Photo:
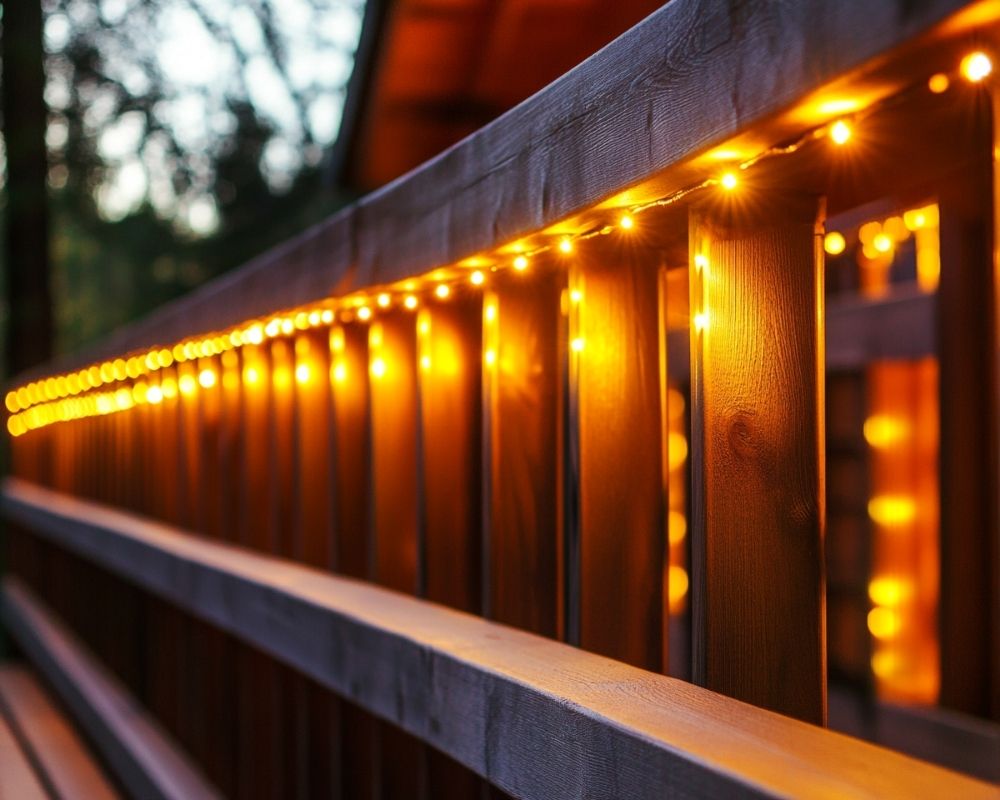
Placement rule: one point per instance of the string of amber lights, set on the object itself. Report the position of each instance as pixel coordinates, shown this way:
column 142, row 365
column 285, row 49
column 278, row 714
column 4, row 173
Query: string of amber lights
column 100, row 388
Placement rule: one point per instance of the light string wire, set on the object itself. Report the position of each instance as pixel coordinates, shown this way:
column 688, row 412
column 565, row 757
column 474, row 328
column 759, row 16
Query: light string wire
column 78, row 394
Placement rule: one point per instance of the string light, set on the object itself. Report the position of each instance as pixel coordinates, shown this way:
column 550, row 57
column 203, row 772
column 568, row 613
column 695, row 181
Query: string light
column 976, row 66
column 577, row 344
column 939, row 83
column 75, row 394
column 840, row 132
column 834, row 243
column 207, row 378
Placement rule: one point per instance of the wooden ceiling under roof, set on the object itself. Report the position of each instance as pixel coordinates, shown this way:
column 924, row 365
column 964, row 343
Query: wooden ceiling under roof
column 431, row 72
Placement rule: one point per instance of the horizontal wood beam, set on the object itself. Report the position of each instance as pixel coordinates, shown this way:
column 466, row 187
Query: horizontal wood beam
column 859, row 331
column 691, row 76
column 145, row 761
column 538, row 718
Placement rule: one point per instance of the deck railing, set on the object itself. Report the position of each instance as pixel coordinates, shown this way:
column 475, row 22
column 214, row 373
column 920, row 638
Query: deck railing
column 331, row 522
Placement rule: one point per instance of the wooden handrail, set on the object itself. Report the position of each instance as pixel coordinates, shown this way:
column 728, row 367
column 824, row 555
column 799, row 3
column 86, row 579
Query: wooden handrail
column 540, row 719
column 709, row 72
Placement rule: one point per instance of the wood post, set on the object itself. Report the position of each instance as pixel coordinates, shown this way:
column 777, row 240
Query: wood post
column 758, row 452
column 616, row 435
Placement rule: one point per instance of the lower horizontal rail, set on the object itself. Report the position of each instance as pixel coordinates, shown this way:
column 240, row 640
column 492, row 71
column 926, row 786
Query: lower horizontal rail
column 538, row 718
column 143, row 759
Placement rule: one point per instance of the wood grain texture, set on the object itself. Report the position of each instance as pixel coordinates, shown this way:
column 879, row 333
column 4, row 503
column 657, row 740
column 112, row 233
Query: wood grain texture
column 758, row 459
column 618, row 431
column 540, row 719
column 522, row 395
column 136, row 751
column 56, row 749
column 689, row 77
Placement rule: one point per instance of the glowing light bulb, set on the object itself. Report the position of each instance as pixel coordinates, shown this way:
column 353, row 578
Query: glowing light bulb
column 626, row 222
column 273, row 328
column 186, row 385
column 383, row 300
column 154, row 395
column 700, row 321
column 207, row 378
column 254, row 334
column 410, row 302
column 339, row 372
column 251, row 375
column 425, row 363
column 442, row 291
column 892, row 510
column 364, row 313
column 575, row 295
column 577, row 344
column 885, row 430
column 729, row 181
column 882, row 243
column 287, row 326
column 884, row 623
column 834, row 243
column 315, row 318
column 326, row 316
column 490, row 357
column 303, row 373
column 976, row 66
column 377, row 367
column 840, row 132
column 521, row 263
column 565, row 245
column 700, row 262
column 477, row 278
column 11, row 402
column 939, row 83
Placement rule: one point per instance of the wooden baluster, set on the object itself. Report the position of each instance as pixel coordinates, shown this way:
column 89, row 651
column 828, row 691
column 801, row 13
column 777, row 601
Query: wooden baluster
column 320, row 757
column 352, row 469
column 395, row 521
column 522, row 581
column 967, row 342
column 757, row 452
column 615, row 435
column 449, row 345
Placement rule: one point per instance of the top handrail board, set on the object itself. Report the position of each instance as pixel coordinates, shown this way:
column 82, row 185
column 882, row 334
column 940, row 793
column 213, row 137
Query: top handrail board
column 690, row 76
column 540, row 718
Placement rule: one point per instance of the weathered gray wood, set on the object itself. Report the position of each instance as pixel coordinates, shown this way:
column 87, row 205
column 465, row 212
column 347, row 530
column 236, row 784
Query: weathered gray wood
column 539, row 718
column 141, row 756
column 690, row 76
column 56, row 749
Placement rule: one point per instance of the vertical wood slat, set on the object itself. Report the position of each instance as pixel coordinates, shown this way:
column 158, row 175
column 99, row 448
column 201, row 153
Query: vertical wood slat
column 757, row 446
column 968, row 297
column 449, row 357
column 522, row 580
column 313, row 508
column 615, row 385
column 348, row 348
column 396, row 513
